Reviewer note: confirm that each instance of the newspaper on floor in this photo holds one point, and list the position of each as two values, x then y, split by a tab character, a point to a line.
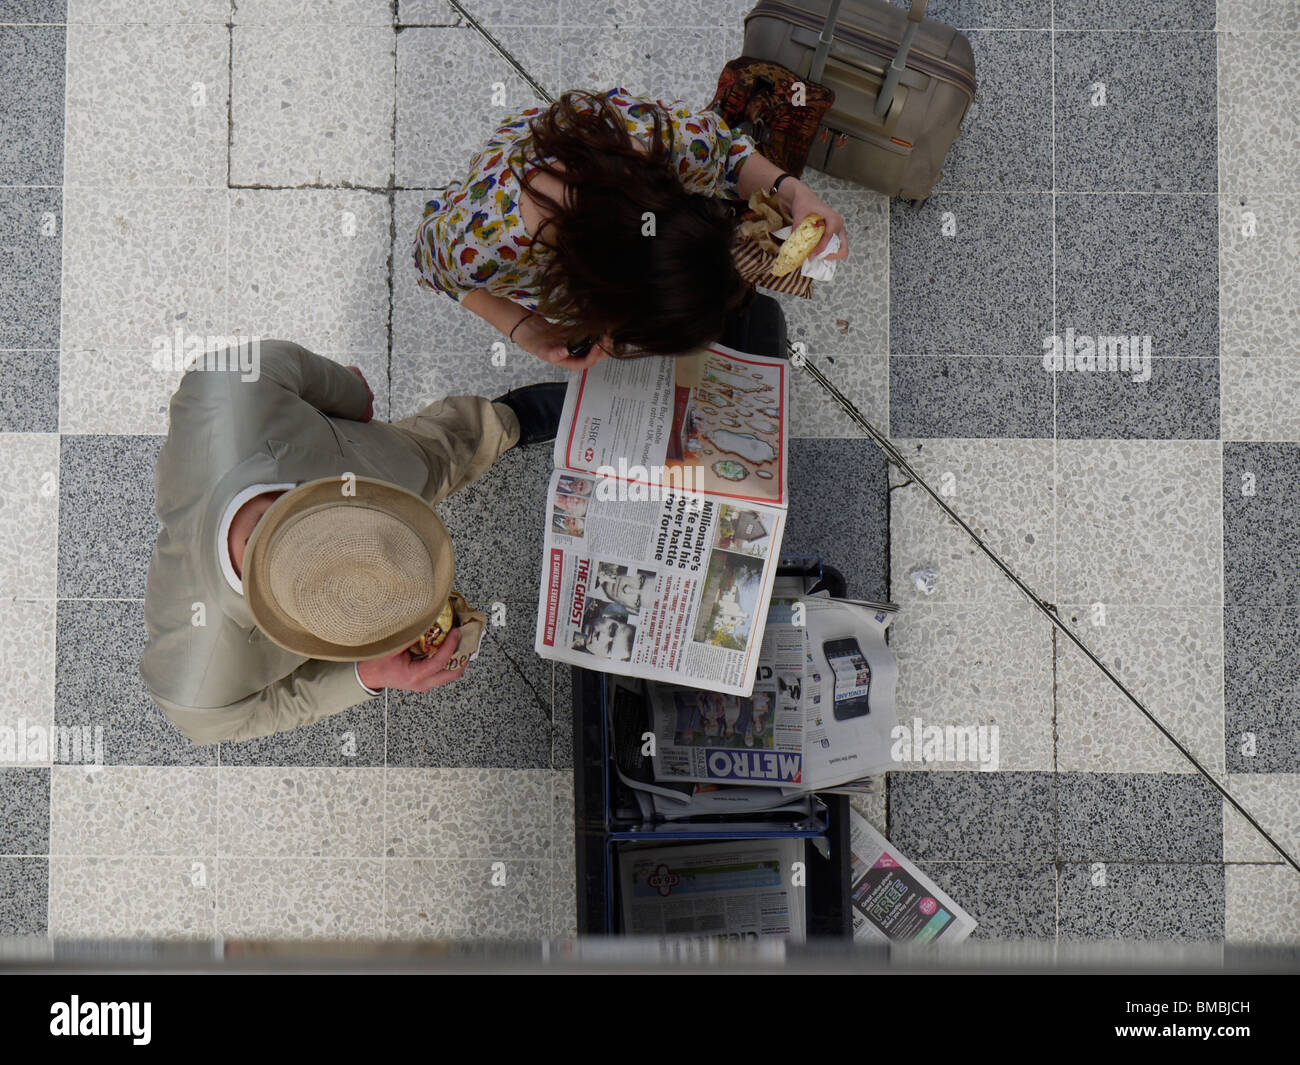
820	716
892	900
664	518
738	889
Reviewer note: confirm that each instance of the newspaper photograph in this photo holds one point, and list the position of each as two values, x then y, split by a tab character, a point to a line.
892	900
712	422
673	588
739	889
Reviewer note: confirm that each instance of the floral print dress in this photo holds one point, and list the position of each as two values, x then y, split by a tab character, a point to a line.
473	236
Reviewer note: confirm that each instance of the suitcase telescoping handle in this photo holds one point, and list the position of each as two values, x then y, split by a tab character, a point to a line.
887	89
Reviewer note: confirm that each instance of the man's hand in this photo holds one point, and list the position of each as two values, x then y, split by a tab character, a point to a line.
406	674
806	202
370	402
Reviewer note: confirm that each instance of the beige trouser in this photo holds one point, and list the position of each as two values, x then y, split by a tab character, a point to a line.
460	436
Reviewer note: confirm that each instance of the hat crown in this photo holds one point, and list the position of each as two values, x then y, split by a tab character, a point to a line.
350	573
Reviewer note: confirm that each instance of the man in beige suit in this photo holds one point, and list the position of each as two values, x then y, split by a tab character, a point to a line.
332	634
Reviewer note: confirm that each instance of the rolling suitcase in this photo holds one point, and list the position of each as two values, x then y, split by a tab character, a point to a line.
902	85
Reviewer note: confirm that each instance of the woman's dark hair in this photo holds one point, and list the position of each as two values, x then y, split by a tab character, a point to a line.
658	294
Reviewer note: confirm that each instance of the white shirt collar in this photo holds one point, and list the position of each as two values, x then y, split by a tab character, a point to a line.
223	530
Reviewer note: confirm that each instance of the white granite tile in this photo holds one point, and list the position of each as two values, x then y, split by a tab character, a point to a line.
454	90
491	814
26	671
29	514
348	12
312	105
132	898
275	812
489	13
1259	268
116	811
978	664
310	266
1272	15
872	807
116	11
1172	659
662	63
1261	905
115	391
301	898
1139	522
564	878
1259	99
138	267
498	899
1002	489
1272	799
164	124
864	380
1261	398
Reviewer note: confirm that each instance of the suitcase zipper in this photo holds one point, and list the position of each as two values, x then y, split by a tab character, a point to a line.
868	41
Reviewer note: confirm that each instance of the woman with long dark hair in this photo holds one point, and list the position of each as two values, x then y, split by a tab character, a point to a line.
604	218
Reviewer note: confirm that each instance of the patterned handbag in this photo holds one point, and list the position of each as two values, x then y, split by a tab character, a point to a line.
759	97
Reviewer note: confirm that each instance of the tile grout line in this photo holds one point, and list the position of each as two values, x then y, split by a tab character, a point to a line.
1056	793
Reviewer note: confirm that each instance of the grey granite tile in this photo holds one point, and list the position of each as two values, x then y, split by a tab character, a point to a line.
497	715
1259	144
966	397
864	381
973	816
98	684
31	84
34	11
1128	15
29	391
999	14
107	526
985	289
1262	905
1006	136
312	105
662	63
1259	262
1115	900
1155	131
1260	397
352	738
24	896
166	124
1180	401
490	14
839	509
496	528
563	716
1144	265
1261	563
31	256
1139	817
1261	679
435	143
24	811
1010	900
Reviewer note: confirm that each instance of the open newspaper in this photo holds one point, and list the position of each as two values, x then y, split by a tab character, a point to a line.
737	889
820	716
664	518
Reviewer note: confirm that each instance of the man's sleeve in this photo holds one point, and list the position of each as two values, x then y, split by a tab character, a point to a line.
328	386
313	691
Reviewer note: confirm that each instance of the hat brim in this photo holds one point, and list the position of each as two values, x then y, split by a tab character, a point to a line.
411	509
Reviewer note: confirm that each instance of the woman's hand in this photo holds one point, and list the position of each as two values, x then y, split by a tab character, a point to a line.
806	202
548	342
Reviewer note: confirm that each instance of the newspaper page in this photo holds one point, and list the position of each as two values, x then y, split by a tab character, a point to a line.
718	739
734	890
893	901
713	421
669	588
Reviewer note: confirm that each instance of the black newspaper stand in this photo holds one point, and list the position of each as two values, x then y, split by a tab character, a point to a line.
600	835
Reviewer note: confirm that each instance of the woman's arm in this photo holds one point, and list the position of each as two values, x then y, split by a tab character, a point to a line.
537	336
758	172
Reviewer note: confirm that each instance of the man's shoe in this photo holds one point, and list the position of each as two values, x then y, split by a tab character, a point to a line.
538	408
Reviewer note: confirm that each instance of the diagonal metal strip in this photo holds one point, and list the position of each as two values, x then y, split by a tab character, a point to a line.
892	453
477	27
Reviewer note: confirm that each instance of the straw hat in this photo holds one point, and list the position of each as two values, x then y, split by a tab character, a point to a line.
347	577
